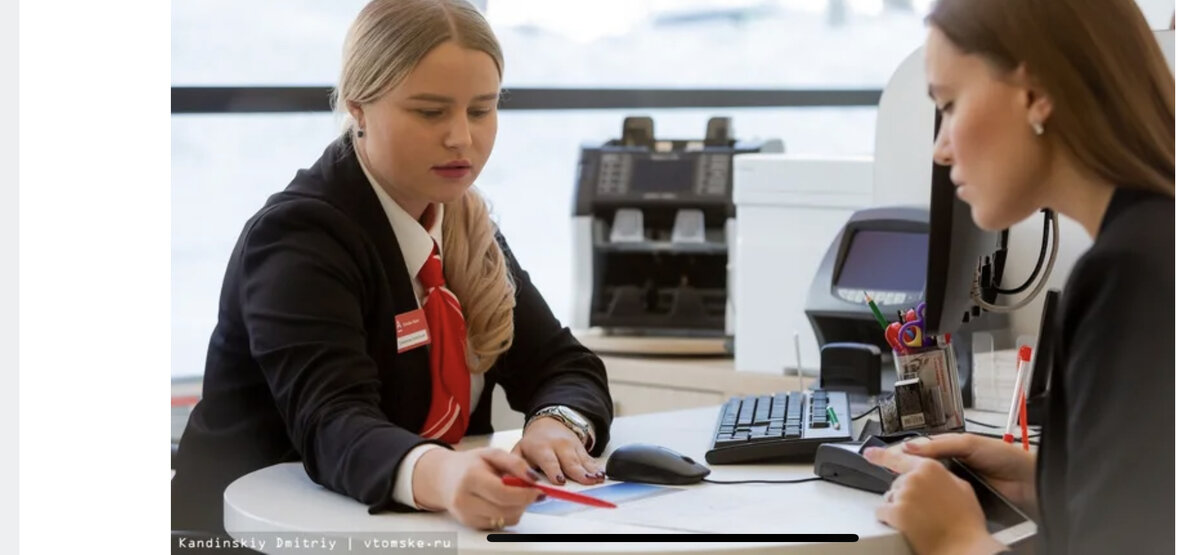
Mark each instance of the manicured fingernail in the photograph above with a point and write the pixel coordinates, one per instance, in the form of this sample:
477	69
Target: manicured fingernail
532	475
561	479
541	497
870	453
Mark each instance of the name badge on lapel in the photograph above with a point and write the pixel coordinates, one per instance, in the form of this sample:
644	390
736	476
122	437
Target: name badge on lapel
411	330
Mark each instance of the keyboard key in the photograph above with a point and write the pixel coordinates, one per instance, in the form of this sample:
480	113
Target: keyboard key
794	406
762	411
746	415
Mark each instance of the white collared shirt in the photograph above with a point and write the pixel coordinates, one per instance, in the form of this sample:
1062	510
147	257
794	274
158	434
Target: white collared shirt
416	243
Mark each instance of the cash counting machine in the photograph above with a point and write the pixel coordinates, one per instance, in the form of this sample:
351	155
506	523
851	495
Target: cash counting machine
653	228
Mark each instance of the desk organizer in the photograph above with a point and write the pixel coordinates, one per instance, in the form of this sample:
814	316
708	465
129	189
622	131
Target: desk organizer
927	381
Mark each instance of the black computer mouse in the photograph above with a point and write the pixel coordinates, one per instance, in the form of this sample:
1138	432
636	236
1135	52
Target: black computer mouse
653	464
843	463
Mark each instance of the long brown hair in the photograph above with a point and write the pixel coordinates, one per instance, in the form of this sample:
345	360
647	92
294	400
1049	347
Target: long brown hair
384	44
1113	93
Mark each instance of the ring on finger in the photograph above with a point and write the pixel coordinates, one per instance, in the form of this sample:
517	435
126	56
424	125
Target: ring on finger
497	523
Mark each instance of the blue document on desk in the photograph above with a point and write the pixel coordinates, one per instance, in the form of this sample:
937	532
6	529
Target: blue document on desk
623	492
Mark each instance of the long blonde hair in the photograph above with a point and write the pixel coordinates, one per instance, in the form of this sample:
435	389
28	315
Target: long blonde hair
384	44
1113	93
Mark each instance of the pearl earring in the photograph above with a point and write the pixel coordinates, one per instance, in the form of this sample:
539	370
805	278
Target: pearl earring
1038	129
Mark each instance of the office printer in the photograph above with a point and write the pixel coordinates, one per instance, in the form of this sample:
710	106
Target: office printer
789	206
652	229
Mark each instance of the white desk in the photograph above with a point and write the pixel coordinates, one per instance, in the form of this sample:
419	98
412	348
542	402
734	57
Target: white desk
281	498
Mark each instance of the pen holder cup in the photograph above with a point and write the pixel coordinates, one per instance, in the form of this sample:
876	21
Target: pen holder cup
927	393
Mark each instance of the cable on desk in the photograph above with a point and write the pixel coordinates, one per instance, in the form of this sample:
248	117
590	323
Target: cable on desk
1034	437
863	415
763	481
984	424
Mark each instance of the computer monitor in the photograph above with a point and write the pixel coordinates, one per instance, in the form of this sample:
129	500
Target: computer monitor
956	248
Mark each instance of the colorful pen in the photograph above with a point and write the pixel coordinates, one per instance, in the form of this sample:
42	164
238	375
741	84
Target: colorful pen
883	323
565	495
833	417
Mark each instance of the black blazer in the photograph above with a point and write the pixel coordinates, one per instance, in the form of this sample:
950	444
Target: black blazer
302	364
1106	463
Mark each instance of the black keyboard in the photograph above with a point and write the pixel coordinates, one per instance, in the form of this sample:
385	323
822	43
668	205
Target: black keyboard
782	427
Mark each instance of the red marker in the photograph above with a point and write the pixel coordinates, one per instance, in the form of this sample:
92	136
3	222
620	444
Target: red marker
1018	398
559	493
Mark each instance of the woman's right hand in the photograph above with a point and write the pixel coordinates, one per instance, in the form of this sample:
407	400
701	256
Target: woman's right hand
1009	469
468	485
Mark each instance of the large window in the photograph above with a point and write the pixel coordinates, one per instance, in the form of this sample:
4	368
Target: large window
575	43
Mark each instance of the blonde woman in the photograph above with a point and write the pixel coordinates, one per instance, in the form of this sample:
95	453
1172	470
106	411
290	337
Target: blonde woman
1066	104
370	308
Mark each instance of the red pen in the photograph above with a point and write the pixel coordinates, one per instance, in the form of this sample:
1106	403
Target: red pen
1018	398
558	493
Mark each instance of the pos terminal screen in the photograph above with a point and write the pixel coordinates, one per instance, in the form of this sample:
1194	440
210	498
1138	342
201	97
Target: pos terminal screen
885	260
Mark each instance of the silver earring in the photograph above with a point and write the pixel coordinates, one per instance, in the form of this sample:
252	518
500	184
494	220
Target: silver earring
360	133
1038	129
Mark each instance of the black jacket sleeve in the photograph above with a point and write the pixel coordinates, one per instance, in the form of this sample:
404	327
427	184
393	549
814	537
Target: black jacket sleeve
546	365
302	293
1120	386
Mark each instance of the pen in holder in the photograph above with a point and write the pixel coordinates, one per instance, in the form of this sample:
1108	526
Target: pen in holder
927	393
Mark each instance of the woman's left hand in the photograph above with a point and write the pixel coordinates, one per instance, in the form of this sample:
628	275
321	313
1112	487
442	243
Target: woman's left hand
935	510
552	447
